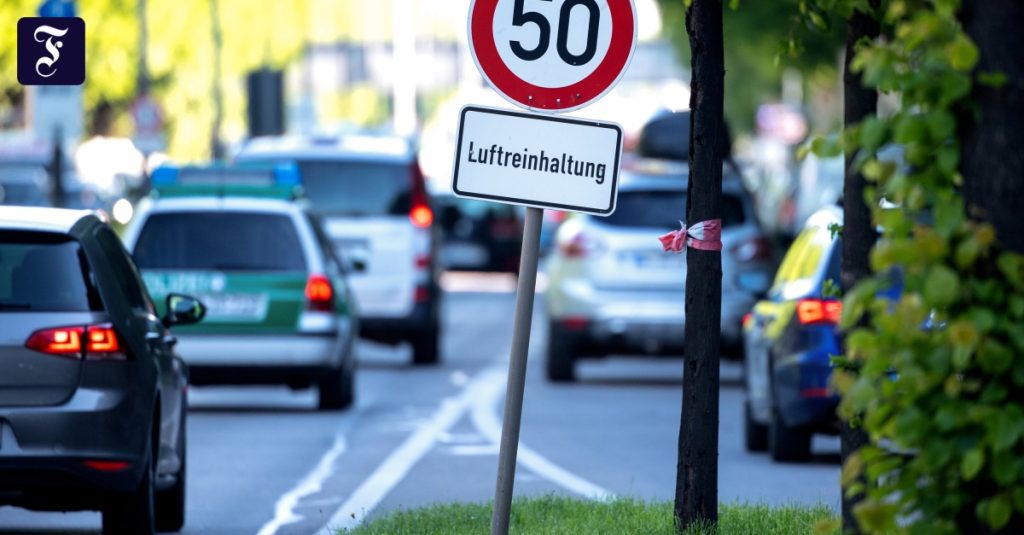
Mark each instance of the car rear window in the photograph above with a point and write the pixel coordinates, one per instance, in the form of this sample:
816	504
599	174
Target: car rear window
664	209
223	241
43	272
357	188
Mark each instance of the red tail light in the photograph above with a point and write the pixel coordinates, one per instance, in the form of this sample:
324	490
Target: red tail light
422	216
578	246
421	294
747	318
65	341
319	293
420	213
756	248
92	342
819	312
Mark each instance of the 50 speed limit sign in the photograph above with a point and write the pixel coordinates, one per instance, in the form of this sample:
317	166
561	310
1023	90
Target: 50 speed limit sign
552	55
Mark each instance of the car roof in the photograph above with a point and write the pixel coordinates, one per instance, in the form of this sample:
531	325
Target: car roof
667	175
234	204
41	219
350	147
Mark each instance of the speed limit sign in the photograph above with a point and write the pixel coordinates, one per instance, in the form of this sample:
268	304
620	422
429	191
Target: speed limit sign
552	55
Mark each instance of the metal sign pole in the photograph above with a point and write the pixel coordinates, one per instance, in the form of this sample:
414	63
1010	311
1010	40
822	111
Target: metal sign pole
517	372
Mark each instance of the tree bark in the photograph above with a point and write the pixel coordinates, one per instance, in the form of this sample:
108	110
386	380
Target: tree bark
859	103
992	161
696	497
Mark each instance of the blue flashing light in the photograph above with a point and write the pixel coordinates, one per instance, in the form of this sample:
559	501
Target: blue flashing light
280	180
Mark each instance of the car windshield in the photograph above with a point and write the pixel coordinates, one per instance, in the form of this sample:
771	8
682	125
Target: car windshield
42	272
357	188
664	209
22	194
223	241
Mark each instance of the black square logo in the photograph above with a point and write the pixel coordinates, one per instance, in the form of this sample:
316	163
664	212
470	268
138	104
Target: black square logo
51	51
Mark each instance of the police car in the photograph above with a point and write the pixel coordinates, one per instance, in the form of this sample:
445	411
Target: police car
279	308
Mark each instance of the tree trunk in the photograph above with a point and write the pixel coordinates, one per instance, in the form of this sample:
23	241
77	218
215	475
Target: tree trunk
858	231
696	496
993	141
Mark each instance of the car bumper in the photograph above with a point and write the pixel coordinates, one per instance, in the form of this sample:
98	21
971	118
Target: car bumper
803	395
43	450
396	330
639	319
249	351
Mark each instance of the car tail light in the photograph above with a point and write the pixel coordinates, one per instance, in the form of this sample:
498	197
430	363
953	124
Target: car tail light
819	312
580	245
422	261
421	294
815	392
92	342
102	343
756	248
66	341
420	213
319	294
574	323
747	318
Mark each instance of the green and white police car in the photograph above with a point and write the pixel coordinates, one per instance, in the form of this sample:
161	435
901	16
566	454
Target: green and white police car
279	307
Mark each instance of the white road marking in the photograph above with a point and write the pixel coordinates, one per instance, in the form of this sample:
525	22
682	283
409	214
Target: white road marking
486	421
395	467
284	509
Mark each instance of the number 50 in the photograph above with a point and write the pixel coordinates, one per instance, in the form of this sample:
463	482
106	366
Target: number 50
520	17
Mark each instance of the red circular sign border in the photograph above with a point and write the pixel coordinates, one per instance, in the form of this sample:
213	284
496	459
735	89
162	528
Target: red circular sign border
558	99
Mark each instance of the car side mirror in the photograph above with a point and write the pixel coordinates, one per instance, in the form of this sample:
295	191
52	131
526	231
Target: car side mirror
183	310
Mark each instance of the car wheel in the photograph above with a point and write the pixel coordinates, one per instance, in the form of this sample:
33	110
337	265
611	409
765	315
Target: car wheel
170	503
133	512
425	347
788	444
561	357
755	434
337	389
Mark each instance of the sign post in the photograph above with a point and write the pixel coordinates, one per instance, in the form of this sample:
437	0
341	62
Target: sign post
548	56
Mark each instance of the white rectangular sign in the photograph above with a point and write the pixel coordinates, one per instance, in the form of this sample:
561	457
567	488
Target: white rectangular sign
537	160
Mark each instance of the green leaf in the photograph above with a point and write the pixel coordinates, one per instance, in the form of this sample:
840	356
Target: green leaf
971	464
995	80
941	286
998	512
963	54
872	133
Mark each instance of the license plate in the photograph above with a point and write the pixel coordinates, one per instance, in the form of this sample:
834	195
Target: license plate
235	307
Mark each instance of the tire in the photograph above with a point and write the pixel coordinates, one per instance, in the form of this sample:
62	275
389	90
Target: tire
788	444
337	389
755	435
170	503
133	512
426	349
562	355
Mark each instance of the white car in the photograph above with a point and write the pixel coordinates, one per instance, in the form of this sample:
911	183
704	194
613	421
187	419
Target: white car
613	290
371	195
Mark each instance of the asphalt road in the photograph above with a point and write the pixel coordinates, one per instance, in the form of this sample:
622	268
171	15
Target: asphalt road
262	460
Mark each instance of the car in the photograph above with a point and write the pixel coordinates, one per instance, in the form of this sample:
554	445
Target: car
280	311
24	184
479	235
372	197
92	391
789	339
613	290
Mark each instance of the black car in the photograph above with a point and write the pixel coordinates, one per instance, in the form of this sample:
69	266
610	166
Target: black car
92	393
479	235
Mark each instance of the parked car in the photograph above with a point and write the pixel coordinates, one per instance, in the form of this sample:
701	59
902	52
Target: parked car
372	198
92	392
279	306
613	290
479	235
789	339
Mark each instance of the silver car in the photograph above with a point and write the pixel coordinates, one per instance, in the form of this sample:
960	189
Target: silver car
92	391
613	290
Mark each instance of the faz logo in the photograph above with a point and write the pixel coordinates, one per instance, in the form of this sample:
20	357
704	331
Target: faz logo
51	51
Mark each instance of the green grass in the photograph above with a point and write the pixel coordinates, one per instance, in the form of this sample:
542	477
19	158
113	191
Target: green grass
552	515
